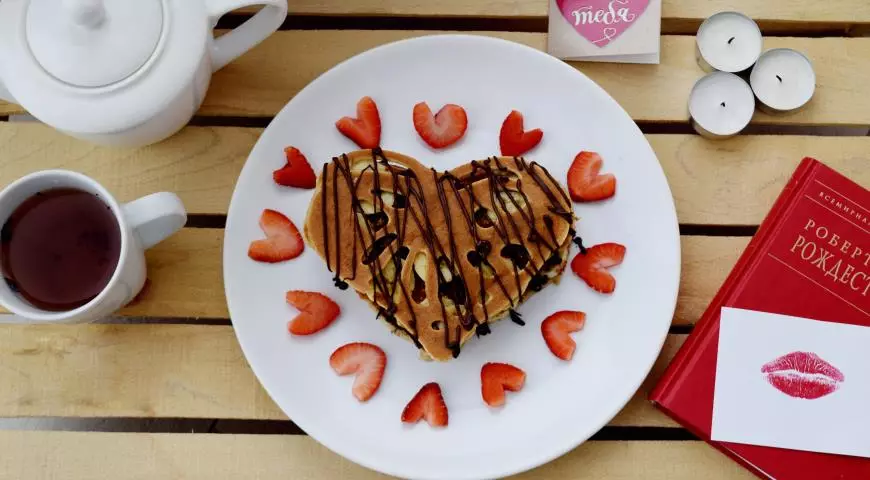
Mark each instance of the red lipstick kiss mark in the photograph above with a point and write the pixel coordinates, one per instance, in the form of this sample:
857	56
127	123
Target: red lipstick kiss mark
803	375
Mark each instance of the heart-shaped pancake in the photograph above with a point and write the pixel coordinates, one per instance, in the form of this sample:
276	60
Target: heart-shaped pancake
439	255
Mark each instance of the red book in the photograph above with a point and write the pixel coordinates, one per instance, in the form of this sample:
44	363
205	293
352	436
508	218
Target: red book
810	259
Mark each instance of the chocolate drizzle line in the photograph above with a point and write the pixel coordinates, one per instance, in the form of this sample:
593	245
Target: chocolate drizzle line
376	235
379	281
516	317
325	176
579	242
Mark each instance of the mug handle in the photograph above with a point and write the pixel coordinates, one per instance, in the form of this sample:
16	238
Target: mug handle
155	217
246	36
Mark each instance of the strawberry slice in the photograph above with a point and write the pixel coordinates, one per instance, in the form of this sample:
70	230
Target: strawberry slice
513	139
592	265
317	312
444	128
495	378
556	328
365	129
584	182
282	242
367	361
297	173
427	404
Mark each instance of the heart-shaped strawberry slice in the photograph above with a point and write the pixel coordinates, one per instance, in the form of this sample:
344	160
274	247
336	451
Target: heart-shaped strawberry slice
365	129
556	329
282	242
514	140
297	172
428	404
495	378
591	265
585	183
442	129
316	312
365	360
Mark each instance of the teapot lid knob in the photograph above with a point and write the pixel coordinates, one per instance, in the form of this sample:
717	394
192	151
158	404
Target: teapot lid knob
87	13
93	43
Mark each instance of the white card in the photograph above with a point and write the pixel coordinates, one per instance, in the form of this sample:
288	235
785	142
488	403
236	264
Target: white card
792	383
625	31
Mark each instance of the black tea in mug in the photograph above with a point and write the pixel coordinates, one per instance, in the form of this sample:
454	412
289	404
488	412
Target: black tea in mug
59	248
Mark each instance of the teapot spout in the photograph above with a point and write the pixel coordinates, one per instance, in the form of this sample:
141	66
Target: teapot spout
4	93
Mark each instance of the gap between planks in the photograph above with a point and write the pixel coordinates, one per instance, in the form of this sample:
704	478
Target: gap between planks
646	127
271	427
219	221
677	15
536	24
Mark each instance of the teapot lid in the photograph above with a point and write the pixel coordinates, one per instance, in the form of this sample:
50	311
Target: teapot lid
117	64
93	43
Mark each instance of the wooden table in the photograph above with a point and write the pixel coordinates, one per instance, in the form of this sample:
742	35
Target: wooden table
176	356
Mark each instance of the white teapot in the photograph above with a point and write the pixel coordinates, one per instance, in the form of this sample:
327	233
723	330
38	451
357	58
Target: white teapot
120	72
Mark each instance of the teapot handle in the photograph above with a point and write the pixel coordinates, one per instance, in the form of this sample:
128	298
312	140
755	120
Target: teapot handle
246	36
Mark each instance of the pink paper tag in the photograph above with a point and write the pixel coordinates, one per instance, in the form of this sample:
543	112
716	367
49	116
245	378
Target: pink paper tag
601	21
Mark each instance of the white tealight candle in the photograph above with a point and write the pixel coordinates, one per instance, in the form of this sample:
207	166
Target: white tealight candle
783	80
721	105
728	41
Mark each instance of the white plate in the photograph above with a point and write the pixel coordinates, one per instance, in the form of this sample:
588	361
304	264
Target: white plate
562	403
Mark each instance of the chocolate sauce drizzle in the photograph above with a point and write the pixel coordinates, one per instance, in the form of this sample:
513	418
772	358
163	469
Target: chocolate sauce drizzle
376	235
516	317
579	242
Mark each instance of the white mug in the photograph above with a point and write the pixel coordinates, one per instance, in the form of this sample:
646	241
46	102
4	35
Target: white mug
142	224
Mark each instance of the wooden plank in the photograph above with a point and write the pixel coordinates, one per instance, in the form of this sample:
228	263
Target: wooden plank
121	456
706	261
176	371
736	181
128	371
199	164
796	15
731	182
260	82
287	61
639	411
184	276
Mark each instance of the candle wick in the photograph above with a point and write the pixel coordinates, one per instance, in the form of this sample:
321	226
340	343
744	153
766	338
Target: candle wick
730	40
779	78
723	104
